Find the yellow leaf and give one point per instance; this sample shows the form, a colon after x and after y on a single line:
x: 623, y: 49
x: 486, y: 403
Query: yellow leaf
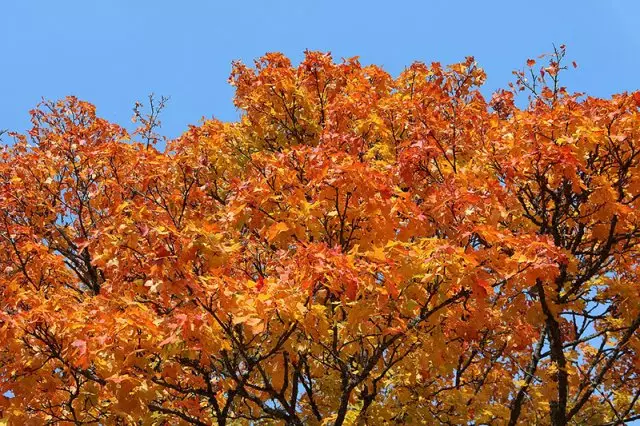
x: 377, y: 254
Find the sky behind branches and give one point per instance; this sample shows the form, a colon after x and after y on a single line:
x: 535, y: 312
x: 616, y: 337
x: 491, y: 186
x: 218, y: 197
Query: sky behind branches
x: 112, y: 53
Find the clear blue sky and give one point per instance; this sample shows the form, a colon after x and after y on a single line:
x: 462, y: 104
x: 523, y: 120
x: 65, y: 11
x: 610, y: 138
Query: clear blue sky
x: 114, y: 52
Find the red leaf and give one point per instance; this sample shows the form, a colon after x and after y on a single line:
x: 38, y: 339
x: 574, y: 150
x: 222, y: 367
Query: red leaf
x: 482, y: 287
x: 260, y: 284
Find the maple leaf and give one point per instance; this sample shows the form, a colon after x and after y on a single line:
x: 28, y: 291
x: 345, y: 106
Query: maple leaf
x: 274, y: 230
x: 82, y: 359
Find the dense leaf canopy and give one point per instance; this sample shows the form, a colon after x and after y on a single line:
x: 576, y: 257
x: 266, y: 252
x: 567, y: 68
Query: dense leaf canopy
x: 356, y: 249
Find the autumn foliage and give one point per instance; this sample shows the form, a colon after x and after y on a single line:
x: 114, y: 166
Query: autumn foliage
x: 356, y: 249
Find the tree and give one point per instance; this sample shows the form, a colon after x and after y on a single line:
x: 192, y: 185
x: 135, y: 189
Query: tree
x: 356, y: 249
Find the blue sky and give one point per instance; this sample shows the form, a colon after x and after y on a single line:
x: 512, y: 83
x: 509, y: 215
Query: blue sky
x: 115, y: 52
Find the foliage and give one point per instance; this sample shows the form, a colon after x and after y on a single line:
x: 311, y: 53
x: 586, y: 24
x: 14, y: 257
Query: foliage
x: 356, y: 249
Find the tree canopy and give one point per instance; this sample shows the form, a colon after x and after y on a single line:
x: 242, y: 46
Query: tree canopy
x: 355, y: 249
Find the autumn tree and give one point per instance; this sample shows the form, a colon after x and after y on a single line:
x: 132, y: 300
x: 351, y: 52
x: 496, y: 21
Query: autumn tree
x: 356, y: 249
